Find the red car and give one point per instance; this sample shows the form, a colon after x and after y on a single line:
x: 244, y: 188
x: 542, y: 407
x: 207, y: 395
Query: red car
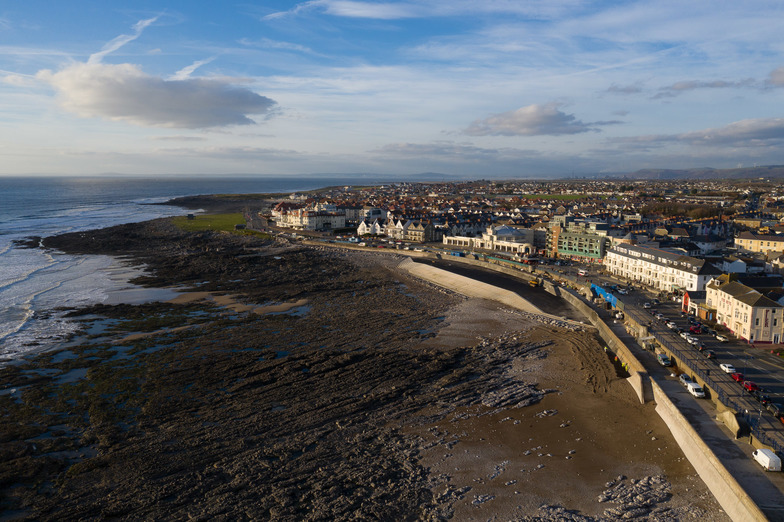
x: 750, y: 386
x: 737, y: 376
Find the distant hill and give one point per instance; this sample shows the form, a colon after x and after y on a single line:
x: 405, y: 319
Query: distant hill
x: 767, y: 171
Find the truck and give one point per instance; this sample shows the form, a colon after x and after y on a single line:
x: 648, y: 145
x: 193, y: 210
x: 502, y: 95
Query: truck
x: 768, y: 459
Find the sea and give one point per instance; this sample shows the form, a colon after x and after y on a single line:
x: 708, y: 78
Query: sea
x: 35, y: 284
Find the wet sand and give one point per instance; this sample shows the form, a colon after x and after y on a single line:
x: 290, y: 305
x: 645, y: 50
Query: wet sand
x: 387, y: 398
x: 565, y: 450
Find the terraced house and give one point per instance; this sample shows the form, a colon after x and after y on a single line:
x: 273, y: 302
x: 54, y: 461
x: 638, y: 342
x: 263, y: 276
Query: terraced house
x: 759, y: 243
x: 749, y: 314
x: 659, y: 269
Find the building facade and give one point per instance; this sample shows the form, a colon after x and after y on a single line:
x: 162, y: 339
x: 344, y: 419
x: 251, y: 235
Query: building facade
x: 759, y: 243
x: 659, y: 269
x: 744, y: 311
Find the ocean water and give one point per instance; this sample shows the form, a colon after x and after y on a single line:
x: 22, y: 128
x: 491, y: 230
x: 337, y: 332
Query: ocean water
x: 34, y: 282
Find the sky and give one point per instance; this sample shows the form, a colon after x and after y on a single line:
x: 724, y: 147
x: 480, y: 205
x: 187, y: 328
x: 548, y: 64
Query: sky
x: 478, y: 89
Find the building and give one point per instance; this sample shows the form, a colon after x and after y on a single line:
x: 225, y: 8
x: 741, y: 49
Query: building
x: 421, y: 232
x: 499, y: 238
x: 744, y: 311
x: 585, y: 241
x: 759, y: 243
x: 659, y: 269
x: 320, y: 217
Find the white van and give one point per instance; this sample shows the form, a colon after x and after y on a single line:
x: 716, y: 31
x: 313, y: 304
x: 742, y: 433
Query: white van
x: 767, y: 459
x: 695, y: 389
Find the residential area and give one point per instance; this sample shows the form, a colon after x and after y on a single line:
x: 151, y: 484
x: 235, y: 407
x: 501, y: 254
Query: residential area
x: 713, y: 243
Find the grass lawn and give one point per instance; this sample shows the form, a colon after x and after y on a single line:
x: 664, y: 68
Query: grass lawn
x: 560, y: 197
x: 221, y: 222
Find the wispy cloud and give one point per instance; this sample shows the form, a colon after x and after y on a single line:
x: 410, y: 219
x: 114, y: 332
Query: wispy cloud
x: 186, y: 72
x: 634, y: 88
x: 432, y: 8
x: 121, y: 40
x: 680, y: 87
x: 179, y: 138
x: 267, y: 43
x: 776, y: 78
x: 533, y: 120
x: 125, y: 93
x: 749, y: 133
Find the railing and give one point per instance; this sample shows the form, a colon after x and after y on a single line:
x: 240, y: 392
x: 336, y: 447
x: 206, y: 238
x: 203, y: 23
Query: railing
x: 751, y: 417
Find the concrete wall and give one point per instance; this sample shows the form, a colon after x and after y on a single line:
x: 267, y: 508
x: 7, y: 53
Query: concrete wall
x: 638, y: 378
x: 473, y: 288
x: 725, y: 488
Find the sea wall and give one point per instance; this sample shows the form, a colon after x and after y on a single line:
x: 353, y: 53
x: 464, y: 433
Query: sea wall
x: 733, y: 499
x: 473, y: 288
x: 638, y: 375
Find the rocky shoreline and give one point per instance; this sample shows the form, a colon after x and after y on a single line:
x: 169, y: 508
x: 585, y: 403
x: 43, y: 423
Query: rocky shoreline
x: 382, y: 397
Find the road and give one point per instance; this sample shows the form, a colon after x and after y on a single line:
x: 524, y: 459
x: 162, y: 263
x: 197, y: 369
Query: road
x: 756, y: 363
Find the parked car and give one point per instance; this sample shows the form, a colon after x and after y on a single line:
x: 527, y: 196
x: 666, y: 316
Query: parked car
x: 696, y: 329
x: 695, y: 389
x: 737, y: 377
x: 659, y: 316
x: 646, y: 305
x: 693, y: 341
x: 685, y: 335
x: 671, y: 325
x: 727, y: 368
x: 663, y: 359
x: 776, y: 409
x: 709, y: 354
x: 721, y: 338
x: 684, y: 379
x: 750, y: 386
x: 761, y: 397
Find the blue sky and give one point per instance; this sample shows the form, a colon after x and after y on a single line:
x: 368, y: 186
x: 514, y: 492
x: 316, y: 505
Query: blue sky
x: 497, y: 88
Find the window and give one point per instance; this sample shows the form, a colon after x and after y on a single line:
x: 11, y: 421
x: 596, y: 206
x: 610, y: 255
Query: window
x: 756, y: 322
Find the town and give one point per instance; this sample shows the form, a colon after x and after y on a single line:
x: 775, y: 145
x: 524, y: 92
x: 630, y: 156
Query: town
x: 712, y: 244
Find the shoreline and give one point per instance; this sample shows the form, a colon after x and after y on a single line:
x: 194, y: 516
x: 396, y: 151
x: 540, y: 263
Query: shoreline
x: 314, y: 409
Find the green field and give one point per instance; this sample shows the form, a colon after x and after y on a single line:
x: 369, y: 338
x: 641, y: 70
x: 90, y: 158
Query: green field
x: 560, y: 197
x: 218, y: 222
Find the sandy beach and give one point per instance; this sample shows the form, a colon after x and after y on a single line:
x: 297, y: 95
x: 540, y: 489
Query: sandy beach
x: 317, y: 384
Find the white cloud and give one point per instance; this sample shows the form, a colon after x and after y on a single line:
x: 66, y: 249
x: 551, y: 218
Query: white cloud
x: 533, y: 120
x: 401, y: 10
x: 186, y: 72
x: 123, y: 92
x: 121, y: 40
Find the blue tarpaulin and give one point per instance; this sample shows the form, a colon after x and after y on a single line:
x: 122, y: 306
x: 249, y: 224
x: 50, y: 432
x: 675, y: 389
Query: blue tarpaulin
x: 604, y: 293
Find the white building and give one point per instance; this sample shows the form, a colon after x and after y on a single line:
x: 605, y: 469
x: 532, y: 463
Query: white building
x: 658, y: 268
x: 312, y: 219
x: 496, y: 238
